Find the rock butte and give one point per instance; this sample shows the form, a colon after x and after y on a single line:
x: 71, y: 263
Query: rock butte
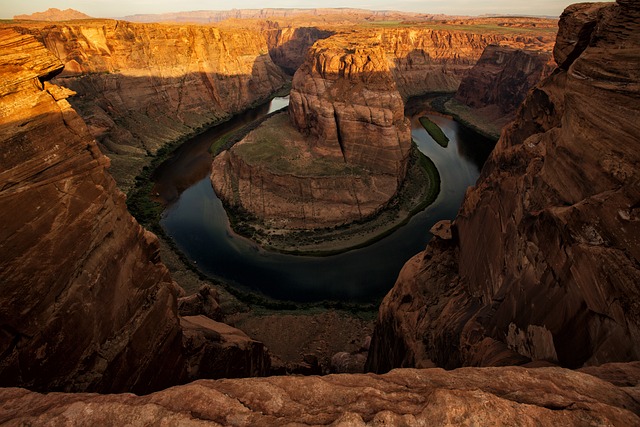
x: 543, y: 265
x: 351, y: 143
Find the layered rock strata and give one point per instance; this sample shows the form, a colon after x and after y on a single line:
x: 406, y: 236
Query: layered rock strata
x: 543, y: 262
x: 494, y: 88
x: 470, y: 396
x: 345, y: 156
x: 142, y: 86
x: 426, y: 60
x: 347, y: 101
x: 86, y: 303
x: 288, y: 46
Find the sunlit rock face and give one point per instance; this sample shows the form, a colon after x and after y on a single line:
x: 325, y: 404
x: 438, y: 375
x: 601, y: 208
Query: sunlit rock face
x: 347, y: 102
x: 85, y: 303
x: 345, y: 99
x: 469, y: 396
x: 141, y: 86
x: 544, y: 260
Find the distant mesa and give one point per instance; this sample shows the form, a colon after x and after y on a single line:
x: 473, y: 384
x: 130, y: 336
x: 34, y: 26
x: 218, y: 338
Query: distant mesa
x: 54, y: 14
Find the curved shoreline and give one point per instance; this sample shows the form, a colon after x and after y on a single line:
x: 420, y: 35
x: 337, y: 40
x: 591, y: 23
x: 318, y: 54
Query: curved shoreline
x: 419, y: 190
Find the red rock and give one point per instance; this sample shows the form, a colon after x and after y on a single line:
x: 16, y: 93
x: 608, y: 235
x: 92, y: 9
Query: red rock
x: 53, y: 14
x: 502, y: 77
x: 143, y: 86
x: 86, y: 303
x: 546, y: 264
x: 470, y: 396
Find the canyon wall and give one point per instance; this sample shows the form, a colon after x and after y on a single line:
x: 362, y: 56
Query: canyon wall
x: 470, y: 396
x: 142, y: 86
x: 288, y: 46
x: 86, y: 303
x: 494, y: 88
x: 502, y: 77
x: 345, y: 99
x: 543, y: 263
x: 425, y: 60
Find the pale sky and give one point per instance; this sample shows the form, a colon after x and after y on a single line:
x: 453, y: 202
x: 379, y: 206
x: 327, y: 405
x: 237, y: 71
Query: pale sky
x: 119, y: 8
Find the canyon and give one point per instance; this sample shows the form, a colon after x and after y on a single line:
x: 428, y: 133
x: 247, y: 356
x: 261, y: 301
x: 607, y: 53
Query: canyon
x: 542, y: 260
x: 345, y: 156
x: 141, y: 87
x: 539, y: 268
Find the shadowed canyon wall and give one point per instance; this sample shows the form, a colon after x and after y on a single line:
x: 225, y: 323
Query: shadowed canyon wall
x: 543, y: 259
x: 142, y: 86
x: 288, y: 46
x: 494, y: 88
x: 86, y: 303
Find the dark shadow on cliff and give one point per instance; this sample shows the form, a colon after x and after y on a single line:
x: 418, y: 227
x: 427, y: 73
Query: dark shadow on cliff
x: 290, y: 54
x: 133, y: 117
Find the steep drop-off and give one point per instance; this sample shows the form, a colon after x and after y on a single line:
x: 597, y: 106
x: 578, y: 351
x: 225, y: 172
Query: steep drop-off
x: 85, y: 303
x: 543, y: 262
x: 142, y: 86
x: 471, y: 396
x: 494, y: 88
x: 425, y: 60
x: 288, y: 46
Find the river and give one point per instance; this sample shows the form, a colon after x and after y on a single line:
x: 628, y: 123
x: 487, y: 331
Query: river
x: 197, y: 222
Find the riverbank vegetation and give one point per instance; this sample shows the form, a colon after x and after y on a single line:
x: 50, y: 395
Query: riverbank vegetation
x: 420, y: 188
x: 434, y: 130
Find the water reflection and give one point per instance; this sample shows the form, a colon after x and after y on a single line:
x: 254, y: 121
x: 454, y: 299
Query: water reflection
x: 197, y: 222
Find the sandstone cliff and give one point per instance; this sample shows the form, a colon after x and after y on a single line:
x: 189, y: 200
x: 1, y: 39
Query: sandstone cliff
x: 142, y: 86
x: 543, y: 259
x: 494, y: 88
x: 425, y: 60
x: 470, y: 396
x: 288, y: 46
x: 86, y: 303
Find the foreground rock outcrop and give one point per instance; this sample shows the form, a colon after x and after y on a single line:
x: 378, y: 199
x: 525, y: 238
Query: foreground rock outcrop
x: 544, y: 263
x: 142, y: 86
x: 470, y: 396
x: 85, y: 303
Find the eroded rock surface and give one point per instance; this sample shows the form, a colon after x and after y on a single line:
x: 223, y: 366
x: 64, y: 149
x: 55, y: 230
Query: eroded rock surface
x: 347, y: 101
x: 544, y: 260
x: 342, y: 159
x: 470, y: 396
x: 142, y: 86
x: 498, y: 83
x: 86, y: 303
